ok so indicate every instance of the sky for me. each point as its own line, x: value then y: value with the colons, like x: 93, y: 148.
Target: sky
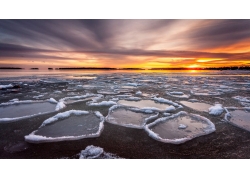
x: 162, y: 43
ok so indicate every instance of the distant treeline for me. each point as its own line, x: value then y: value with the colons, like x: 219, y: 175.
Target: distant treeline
x: 208, y: 68
x: 105, y: 68
x: 10, y: 68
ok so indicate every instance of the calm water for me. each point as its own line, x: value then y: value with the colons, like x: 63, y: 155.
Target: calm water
x: 69, y: 73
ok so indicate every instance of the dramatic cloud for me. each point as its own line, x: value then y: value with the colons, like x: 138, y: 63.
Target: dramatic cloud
x: 124, y: 43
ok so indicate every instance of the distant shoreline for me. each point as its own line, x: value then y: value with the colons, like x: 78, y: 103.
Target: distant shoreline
x: 140, y: 69
x: 10, y: 68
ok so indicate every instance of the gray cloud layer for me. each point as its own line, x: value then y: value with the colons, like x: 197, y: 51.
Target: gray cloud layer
x: 42, y: 39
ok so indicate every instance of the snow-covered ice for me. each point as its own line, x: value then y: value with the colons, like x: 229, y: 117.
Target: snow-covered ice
x: 216, y: 110
x: 95, y: 152
x: 103, y: 103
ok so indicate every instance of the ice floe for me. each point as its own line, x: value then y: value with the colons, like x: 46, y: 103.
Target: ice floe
x: 129, y: 117
x: 95, y: 152
x: 69, y: 125
x: 171, y: 129
x: 216, y: 110
x: 238, y: 117
x: 17, y: 110
x: 102, y: 103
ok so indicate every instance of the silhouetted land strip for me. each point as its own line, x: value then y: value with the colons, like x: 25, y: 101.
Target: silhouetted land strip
x: 10, y: 68
x: 208, y: 68
x: 34, y: 68
x: 82, y: 68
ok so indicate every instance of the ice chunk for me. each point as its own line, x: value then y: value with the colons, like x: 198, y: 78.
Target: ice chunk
x: 103, y: 103
x: 216, y: 110
x: 91, y: 152
x: 176, y: 93
x: 52, y: 100
x: 139, y: 93
x: 60, y: 105
x: 6, y: 86
x: 167, y: 129
x: 182, y: 126
x: 95, y: 152
x: 13, y: 100
x: 162, y: 100
x: 69, y: 125
x: 39, y: 96
x: 58, y: 92
x: 166, y: 114
x: 170, y: 109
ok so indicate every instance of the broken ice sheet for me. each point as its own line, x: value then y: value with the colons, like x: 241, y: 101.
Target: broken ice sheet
x: 69, y: 125
x: 171, y: 129
x: 124, y: 116
x: 238, y: 117
x: 18, y: 110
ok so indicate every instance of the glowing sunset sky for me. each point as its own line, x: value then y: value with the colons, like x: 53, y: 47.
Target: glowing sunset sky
x: 124, y: 43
